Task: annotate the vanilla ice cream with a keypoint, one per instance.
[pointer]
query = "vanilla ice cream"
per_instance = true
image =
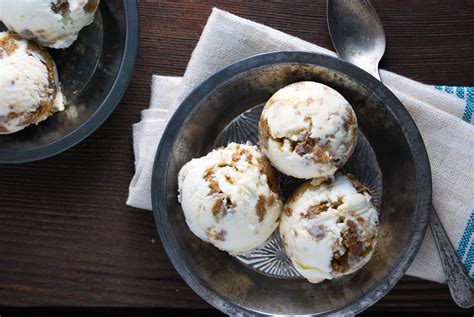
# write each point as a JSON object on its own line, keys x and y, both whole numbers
{"x": 51, "y": 23}
{"x": 308, "y": 130}
{"x": 229, "y": 198}
{"x": 329, "y": 229}
{"x": 29, "y": 88}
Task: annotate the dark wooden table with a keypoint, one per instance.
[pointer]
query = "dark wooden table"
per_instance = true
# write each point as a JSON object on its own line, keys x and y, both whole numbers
{"x": 68, "y": 239}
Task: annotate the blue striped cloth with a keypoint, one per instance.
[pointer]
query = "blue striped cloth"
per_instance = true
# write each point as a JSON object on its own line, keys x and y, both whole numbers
{"x": 465, "y": 248}
{"x": 465, "y": 93}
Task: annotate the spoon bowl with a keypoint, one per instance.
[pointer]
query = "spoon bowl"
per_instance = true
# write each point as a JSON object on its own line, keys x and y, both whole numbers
{"x": 357, "y": 33}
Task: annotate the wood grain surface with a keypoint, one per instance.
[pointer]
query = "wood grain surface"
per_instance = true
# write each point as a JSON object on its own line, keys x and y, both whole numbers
{"x": 68, "y": 239}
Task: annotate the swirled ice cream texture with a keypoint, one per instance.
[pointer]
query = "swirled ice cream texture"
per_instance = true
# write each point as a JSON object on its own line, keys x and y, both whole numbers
{"x": 50, "y": 23}
{"x": 308, "y": 130}
{"x": 329, "y": 230}
{"x": 229, "y": 198}
{"x": 29, "y": 87}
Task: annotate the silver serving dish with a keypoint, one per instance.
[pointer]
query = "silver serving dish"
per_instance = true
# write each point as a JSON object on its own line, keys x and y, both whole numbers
{"x": 94, "y": 74}
{"x": 390, "y": 158}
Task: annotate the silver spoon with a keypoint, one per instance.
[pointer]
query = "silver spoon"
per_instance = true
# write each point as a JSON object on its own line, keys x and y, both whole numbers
{"x": 357, "y": 33}
{"x": 358, "y": 36}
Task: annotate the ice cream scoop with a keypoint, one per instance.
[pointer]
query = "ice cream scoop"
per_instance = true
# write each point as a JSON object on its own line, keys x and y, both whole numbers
{"x": 308, "y": 130}
{"x": 50, "y": 23}
{"x": 329, "y": 229}
{"x": 229, "y": 198}
{"x": 29, "y": 87}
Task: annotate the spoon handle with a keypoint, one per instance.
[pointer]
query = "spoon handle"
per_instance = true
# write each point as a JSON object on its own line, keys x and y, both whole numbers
{"x": 459, "y": 282}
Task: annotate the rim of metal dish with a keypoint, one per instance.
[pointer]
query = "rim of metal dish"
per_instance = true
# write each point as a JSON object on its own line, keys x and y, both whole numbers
{"x": 410, "y": 131}
{"x": 107, "y": 106}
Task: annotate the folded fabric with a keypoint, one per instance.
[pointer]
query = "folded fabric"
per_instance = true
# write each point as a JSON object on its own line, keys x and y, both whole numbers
{"x": 438, "y": 112}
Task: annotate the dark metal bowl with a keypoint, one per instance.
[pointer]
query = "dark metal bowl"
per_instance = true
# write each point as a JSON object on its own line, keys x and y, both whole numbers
{"x": 389, "y": 132}
{"x": 94, "y": 73}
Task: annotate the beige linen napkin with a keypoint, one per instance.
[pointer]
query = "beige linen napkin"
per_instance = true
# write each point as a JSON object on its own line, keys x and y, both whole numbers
{"x": 448, "y": 139}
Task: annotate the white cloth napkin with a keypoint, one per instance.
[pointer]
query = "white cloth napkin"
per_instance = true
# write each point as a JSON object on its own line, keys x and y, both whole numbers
{"x": 449, "y": 140}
